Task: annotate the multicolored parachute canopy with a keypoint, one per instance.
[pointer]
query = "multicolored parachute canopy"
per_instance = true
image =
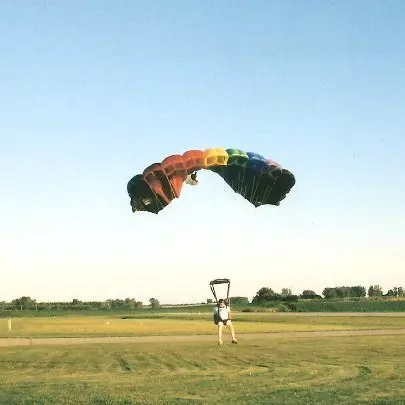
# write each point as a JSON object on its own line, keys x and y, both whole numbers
{"x": 259, "y": 180}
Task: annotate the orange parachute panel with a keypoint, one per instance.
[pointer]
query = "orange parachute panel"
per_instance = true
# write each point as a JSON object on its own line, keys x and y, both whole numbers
{"x": 155, "y": 176}
{"x": 175, "y": 171}
{"x": 194, "y": 160}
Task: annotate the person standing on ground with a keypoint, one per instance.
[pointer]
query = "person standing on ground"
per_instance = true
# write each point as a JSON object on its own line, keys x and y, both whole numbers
{"x": 222, "y": 317}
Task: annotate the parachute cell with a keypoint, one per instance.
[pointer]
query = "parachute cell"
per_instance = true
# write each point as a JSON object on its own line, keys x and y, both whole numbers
{"x": 259, "y": 180}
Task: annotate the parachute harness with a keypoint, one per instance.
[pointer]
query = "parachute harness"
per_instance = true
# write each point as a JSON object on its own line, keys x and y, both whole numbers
{"x": 212, "y": 286}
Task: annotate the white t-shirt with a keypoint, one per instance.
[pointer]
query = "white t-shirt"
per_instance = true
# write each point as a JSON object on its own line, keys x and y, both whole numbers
{"x": 223, "y": 312}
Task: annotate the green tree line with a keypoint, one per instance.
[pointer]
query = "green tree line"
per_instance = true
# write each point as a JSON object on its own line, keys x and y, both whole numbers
{"x": 263, "y": 295}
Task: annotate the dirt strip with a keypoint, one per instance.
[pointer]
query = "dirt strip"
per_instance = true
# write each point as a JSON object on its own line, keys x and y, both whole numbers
{"x": 191, "y": 338}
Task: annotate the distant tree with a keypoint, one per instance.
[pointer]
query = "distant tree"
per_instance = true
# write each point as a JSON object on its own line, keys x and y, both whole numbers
{"x": 329, "y": 292}
{"x": 209, "y": 300}
{"x": 265, "y": 294}
{"x": 132, "y": 303}
{"x": 309, "y": 294}
{"x": 76, "y": 302}
{"x": 24, "y": 303}
{"x": 340, "y": 292}
{"x": 395, "y": 292}
{"x": 357, "y": 291}
{"x": 154, "y": 303}
{"x": 239, "y": 300}
{"x": 375, "y": 291}
{"x": 286, "y": 292}
{"x": 116, "y": 303}
{"x": 344, "y": 292}
{"x": 106, "y": 304}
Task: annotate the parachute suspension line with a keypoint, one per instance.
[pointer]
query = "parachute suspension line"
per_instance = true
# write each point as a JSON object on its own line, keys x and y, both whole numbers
{"x": 159, "y": 203}
{"x": 251, "y": 190}
{"x": 213, "y": 292}
{"x": 270, "y": 188}
{"x": 237, "y": 184}
{"x": 242, "y": 188}
{"x": 256, "y": 180}
{"x": 267, "y": 192}
{"x": 237, "y": 187}
{"x": 138, "y": 205}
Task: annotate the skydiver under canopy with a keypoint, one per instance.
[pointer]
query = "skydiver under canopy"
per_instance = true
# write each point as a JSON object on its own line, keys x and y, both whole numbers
{"x": 192, "y": 179}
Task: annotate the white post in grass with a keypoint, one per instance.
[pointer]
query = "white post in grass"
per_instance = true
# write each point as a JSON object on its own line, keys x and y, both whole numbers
{"x": 9, "y": 324}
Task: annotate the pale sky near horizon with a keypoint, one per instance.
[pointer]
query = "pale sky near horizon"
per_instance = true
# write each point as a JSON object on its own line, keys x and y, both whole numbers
{"x": 92, "y": 92}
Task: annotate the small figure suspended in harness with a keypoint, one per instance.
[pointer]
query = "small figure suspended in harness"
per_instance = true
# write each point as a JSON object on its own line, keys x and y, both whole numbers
{"x": 222, "y": 312}
{"x": 192, "y": 179}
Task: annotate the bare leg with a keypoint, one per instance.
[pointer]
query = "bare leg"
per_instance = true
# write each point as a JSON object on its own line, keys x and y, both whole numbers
{"x": 220, "y": 326}
{"x": 229, "y": 323}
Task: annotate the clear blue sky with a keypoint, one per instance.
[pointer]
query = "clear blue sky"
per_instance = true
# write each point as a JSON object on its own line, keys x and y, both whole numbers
{"x": 91, "y": 92}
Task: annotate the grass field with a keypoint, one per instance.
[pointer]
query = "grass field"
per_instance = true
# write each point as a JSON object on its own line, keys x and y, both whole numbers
{"x": 259, "y": 370}
{"x": 180, "y": 324}
{"x": 359, "y": 305}
{"x": 355, "y": 370}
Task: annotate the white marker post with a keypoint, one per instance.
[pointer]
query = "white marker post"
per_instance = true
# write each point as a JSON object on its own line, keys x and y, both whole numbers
{"x": 9, "y": 324}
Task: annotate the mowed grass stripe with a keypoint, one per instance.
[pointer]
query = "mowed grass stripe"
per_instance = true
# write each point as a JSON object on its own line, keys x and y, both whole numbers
{"x": 355, "y": 370}
{"x": 82, "y": 326}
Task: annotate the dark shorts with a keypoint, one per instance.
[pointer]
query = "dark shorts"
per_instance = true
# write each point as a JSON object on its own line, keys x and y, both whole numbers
{"x": 217, "y": 321}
